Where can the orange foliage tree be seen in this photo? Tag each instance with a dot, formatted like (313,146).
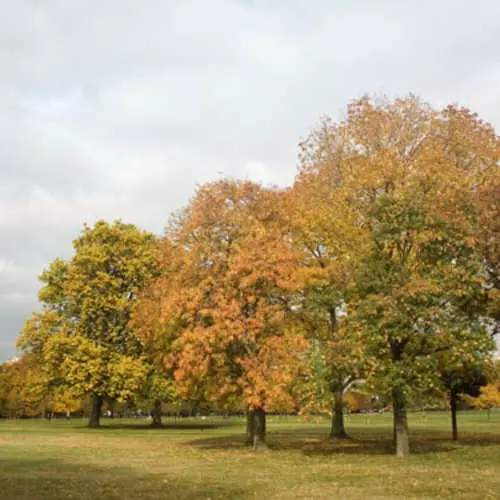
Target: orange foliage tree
(228,305)
(157,331)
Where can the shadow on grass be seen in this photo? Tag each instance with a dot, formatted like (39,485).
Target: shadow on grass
(314,442)
(479,439)
(168,426)
(50,478)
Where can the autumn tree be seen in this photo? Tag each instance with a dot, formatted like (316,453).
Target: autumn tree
(459,381)
(325,235)
(463,370)
(83,335)
(227,305)
(4,388)
(24,389)
(405,182)
(334,364)
(157,332)
(66,401)
(489,395)
(489,239)
(488,398)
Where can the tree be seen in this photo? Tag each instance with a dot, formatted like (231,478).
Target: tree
(400,176)
(459,379)
(66,402)
(489,398)
(83,335)
(229,303)
(489,238)
(320,234)
(333,368)
(156,333)
(463,371)
(24,390)
(4,388)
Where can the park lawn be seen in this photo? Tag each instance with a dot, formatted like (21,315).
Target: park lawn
(207,460)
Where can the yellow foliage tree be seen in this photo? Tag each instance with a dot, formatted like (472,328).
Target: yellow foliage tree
(489,398)
(83,337)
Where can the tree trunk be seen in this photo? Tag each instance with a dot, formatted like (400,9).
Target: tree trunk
(259,429)
(453,408)
(156,414)
(400,422)
(250,427)
(95,413)
(338,431)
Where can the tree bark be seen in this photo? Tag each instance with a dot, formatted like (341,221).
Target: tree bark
(95,413)
(338,430)
(453,408)
(156,414)
(259,429)
(400,423)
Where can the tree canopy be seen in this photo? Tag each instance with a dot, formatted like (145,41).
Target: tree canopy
(83,335)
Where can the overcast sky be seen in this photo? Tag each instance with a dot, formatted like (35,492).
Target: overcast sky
(118,108)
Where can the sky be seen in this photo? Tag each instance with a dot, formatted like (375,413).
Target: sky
(119,108)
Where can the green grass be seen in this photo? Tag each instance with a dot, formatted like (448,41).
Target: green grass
(207,460)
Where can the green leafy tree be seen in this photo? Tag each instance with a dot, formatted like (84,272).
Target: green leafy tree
(401,183)
(325,235)
(462,378)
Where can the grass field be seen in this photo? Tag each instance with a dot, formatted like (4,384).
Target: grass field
(207,460)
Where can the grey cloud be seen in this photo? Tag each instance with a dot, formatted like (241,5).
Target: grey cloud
(118,108)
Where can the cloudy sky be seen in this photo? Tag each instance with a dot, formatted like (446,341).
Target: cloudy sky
(118,108)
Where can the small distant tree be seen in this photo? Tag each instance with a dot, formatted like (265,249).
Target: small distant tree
(159,389)
(489,398)
(333,365)
(459,381)
(66,402)
(24,388)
